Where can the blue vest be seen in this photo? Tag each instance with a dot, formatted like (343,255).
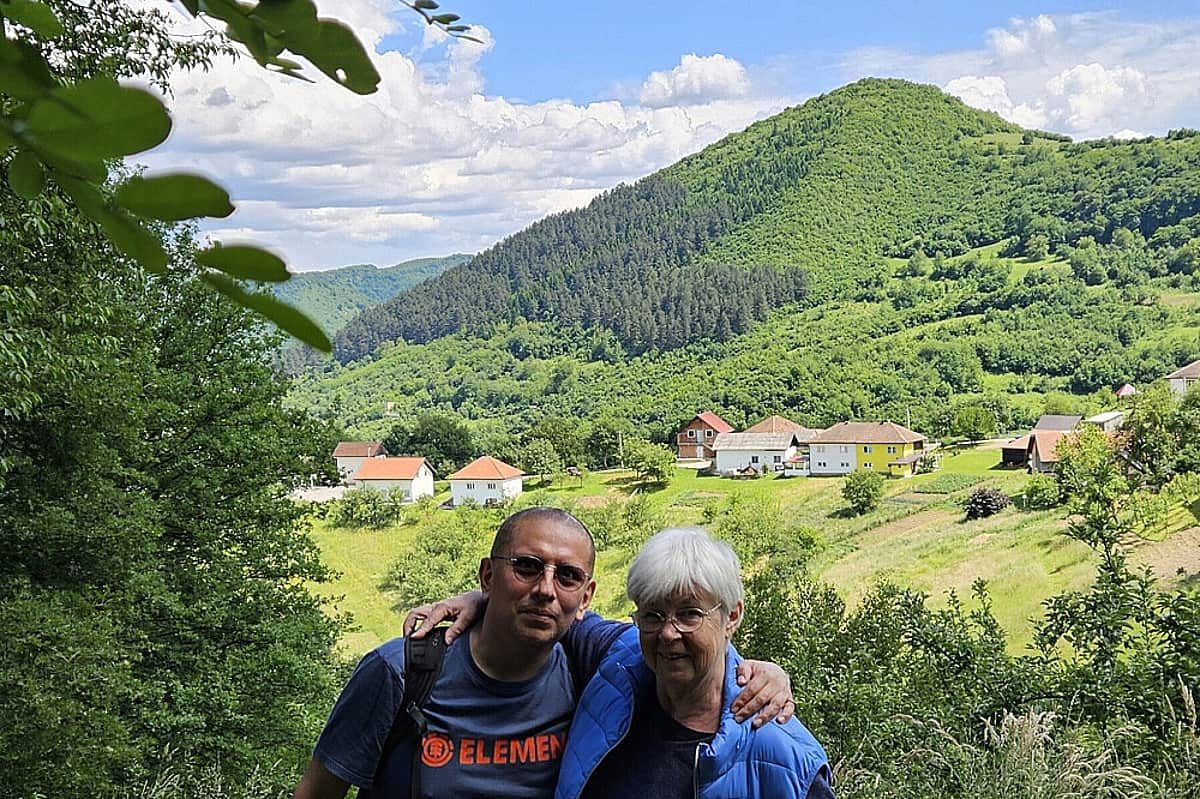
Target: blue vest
(777,760)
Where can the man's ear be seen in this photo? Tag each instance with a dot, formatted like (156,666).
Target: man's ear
(486,574)
(587,600)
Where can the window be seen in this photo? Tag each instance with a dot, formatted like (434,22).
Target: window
(691,434)
(821,464)
(845,465)
(778,458)
(470,485)
(866,449)
(891,450)
(868,466)
(491,485)
(708,433)
(754,459)
(843,449)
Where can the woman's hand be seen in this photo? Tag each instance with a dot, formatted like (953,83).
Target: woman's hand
(464,609)
(767,693)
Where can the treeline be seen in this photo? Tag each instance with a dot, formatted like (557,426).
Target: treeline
(622,264)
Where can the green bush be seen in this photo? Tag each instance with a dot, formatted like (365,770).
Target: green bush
(367,507)
(986,502)
(1041,492)
(863,490)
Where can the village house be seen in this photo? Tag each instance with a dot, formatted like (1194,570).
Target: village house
(1109,421)
(1016,452)
(694,440)
(795,465)
(1183,378)
(414,476)
(350,455)
(1042,454)
(485,481)
(762,452)
(884,447)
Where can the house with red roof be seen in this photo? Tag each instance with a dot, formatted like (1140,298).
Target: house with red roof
(413,476)
(884,447)
(349,456)
(695,438)
(486,481)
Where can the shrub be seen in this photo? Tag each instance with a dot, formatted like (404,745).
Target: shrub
(367,507)
(985,502)
(863,491)
(1041,492)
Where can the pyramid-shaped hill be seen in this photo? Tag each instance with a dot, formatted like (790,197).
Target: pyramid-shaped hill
(798,209)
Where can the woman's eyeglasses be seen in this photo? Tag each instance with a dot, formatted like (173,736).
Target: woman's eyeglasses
(685,620)
(529,569)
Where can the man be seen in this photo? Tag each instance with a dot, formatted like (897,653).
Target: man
(499,712)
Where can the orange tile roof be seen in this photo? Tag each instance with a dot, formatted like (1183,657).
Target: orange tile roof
(390,468)
(1045,444)
(486,467)
(867,433)
(775,424)
(358,449)
(714,421)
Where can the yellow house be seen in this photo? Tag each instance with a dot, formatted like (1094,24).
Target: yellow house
(884,447)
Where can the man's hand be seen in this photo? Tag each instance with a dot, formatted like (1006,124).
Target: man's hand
(464,609)
(768,693)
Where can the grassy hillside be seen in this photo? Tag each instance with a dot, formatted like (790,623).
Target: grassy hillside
(918,538)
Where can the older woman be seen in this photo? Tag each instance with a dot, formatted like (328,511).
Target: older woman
(655,720)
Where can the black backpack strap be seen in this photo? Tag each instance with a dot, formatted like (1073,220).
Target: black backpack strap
(422,664)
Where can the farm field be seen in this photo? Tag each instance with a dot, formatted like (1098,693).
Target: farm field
(917,538)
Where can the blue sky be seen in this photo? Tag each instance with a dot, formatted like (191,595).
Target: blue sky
(465,144)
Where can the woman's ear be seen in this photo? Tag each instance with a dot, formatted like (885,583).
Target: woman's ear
(735,619)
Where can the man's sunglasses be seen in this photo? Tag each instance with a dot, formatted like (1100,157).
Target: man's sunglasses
(529,569)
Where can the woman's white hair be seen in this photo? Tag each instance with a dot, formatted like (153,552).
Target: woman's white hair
(683,560)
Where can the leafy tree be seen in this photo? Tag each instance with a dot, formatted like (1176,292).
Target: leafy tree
(863,490)
(64,118)
(650,462)
(974,422)
(539,457)
(445,440)
(563,435)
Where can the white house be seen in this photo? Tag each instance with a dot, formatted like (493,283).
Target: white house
(763,452)
(349,456)
(884,447)
(1182,379)
(486,481)
(413,475)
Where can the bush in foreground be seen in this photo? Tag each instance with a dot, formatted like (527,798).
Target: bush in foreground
(985,502)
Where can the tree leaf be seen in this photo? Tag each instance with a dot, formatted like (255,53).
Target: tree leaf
(446,19)
(245,261)
(126,233)
(26,175)
(340,55)
(289,20)
(285,317)
(428,5)
(174,197)
(98,118)
(24,73)
(38,17)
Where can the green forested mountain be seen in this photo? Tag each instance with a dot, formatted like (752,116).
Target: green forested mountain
(933,258)
(333,297)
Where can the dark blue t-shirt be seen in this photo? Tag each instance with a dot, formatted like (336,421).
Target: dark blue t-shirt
(486,738)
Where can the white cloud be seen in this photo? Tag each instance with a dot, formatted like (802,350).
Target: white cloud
(697,79)
(1087,75)
(429,164)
